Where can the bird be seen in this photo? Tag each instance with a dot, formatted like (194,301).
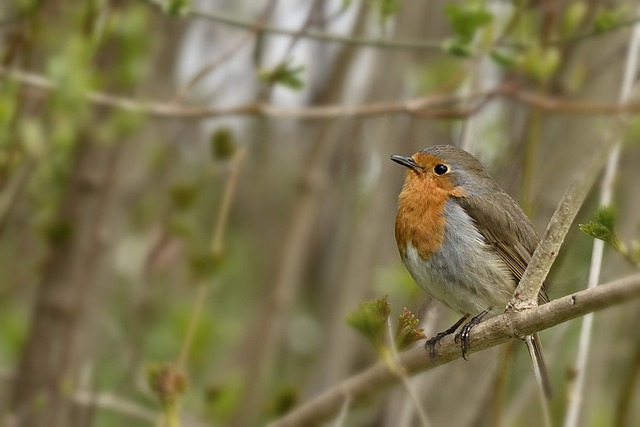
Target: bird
(464,240)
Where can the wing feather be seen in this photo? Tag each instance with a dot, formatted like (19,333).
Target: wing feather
(506,227)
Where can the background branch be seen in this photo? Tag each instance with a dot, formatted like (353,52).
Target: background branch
(488,334)
(311,35)
(606,196)
(378,43)
(430,106)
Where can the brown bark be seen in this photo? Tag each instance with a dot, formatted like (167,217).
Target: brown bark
(57,344)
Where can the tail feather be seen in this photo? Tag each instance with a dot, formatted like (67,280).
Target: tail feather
(539,365)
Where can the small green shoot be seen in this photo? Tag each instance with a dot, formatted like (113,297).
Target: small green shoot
(284,74)
(407,331)
(371,321)
(603,227)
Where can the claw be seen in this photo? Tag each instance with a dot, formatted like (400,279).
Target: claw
(431,343)
(463,335)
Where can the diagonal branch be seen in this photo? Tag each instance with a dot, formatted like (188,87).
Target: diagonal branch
(487,334)
(526,294)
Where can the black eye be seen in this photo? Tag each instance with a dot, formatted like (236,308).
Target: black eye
(440,169)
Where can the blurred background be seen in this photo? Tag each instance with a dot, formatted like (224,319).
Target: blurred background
(194,195)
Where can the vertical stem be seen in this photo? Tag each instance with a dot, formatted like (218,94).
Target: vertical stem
(172,415)
(399,370)
(626,395)
(194,320)
(500,386)
(535,365)
(576,397)
(344,411)
(216,249)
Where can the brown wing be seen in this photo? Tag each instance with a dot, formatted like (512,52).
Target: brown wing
(506,227)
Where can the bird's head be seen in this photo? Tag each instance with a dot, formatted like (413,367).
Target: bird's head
(442,170)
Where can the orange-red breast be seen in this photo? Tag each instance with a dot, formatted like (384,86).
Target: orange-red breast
(463,239)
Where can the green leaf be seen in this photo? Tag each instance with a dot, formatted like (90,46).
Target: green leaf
(371,321)
(503,58)
(183,196)
(222,400)
(345,4)
(223,144)
(283,401)
(284,74)
(573,16)
(177,7)
(407,331)
(387,8)
(607,19)
(541,62)
(205,264)
(466,20)
(603,227)
(457,47)
(59,232)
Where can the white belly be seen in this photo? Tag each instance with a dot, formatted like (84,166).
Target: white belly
(464,273)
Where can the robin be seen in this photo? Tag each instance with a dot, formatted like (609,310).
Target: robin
(464,240)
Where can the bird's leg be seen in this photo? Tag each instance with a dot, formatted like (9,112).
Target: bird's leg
(431,342)
(463,335)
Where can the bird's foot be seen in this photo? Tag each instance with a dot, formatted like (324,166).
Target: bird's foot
(431,343)
(463,335)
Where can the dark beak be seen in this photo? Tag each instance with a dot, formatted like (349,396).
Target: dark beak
(406,161)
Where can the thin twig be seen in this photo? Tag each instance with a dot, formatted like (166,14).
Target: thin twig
(488,334)
(225,206)
(626,396)
(430,106)
(520,400)
(594,32)
(378,43)
(194,321)
(116,404)
(606,195)
(226,55)
(344,411)
(216,250)
(404,378)
(312,35)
